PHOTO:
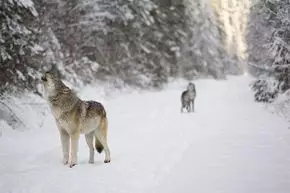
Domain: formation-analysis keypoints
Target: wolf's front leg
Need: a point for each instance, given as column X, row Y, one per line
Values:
column 188, row 107
column 74, row 141
column 65, row 145
column 192, row 106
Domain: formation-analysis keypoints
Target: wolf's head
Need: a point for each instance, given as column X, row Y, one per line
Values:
column 190, row 87
column 52, row 83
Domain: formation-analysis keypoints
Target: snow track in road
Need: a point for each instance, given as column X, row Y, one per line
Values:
column 230, row 145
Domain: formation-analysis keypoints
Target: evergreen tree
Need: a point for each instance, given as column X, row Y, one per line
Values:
column 268, row 40
column 204, row 54
column 18, row 46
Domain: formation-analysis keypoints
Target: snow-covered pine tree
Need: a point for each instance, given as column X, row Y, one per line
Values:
column 18, row 47
column 204, row 55
column 136, row 41
column 268, row 39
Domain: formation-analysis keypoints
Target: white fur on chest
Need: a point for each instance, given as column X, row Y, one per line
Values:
column 191, row 95
column 57, row 112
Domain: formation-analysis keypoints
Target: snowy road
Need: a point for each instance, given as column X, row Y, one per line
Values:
column 230, row 145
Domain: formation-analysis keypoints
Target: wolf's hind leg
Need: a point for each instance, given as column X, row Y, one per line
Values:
column 64, row 137
column 90, row 142
column 183, row 105
column 101, row 137
column 103, row 141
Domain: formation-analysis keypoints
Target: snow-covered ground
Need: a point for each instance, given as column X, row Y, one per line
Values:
column 229, row 145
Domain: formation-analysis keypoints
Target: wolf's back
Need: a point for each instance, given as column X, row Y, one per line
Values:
column 96, row 107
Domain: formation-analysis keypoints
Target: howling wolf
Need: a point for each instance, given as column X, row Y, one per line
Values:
column 74, row 117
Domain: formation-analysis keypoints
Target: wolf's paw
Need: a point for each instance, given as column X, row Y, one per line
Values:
column 91, row 162
column 65, row 162
column 72, row 165
column 107, row 161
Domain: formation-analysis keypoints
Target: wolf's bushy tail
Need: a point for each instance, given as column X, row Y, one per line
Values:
column 103, row 132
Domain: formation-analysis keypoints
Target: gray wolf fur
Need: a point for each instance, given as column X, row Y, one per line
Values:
column 75, row 117
column 188, row 98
